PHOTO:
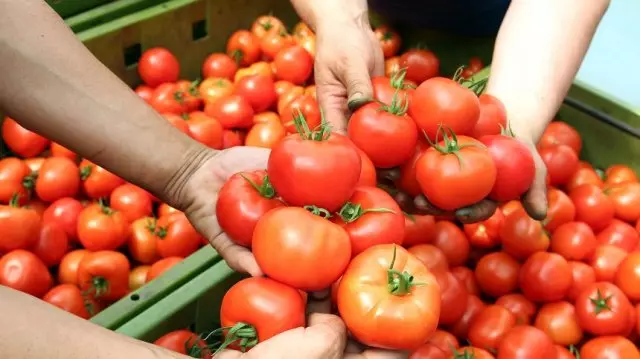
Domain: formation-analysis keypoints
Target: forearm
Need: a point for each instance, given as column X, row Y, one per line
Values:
column 315, row 12
column 53, row 85
column 35, row 329
column 538, row 51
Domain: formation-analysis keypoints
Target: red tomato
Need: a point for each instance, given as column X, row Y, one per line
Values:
column 520, row 306
column 467, row 277
column 266, row 132
column 418, row 229
column 298, row 166
column 184, row 342
column 560, row 209
column 628, row 276
column 526, row 342
column 189, row 95
column 385, row 89
column 474, row 306
column 177, row 237
column 104, row 275
column 371, row 217
column 407, row 182
column 169, row 98
column 564, row 353
column 138, row 276
column 545, row 277
column 431, row 256
column 288, row 96
column 275, row 41
column 259, row 91
column 605, row 261
column 368, row 176
column 263, row 304
column 60, row 151
column 428, row 351
column 497, row 274
column 609, row 347
column 51, row 244
column 421, row 65
column 391, row 66
column 573, row 241
column 510, row 207
column 384, row 132
column 13, row 173
column 96, row 181
column 215, row 88
column 64, row 213
column 485, row 234
column 101, row 228
column 456, row 173
column 561, row 162
column 132, row 201
column 265, row 25
column 617, row 174
column 19, row 226
column 68, row 297
column 515, row 169
column 592, row 206
column 244, row 48
column 160, row 267
column 232, row 111
column 205, row 129
column 583, row 175
column 626, row 200
column 619, row 234
column 177, row 122
column 490, row 327
column 450, row 239
column 522, row 235
column 378, row 285
column 242, row 201
column 492, row 119
column 583, row 276
column 143, row 240
column 320, row 259
column 158, row 65
column 21, row 141
column 219, row 65
column 145, row 92
column 58, row 177
column 444, row 340
column 305, row 105
column 560, row 133
column 293, row 64
column 559, row 321
column 68, row 268
column 389, row 41
column 24, row 271
column 602, row 309
column 454, row 293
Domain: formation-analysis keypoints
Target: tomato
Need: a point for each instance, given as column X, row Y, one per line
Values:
column 266, row 132
column 58, row 178
column 380, row 303
column 21, row 141
column 522, row 235
column 265, row 25
column 261, row 68
column 189, row 95
column 168, row 98
column 419, row 229
column 619, row 234
column 485, row 234
column 389, row 41
column 583, row 276
column 573, row 241
column 14, row 179
column 219, row 65
column 444, row 340
column 628, row 276
column 421, row 65
column 490, row 326
column 561, row 162
column 461, row 327
column 205, row 129
column 132, row 201
column 564, row 353
column 69, row 298
column 51, row 244
column 24, row 271
column 293, row 64
column 64, row 213
column 138, row 277
column 497, row 274
column 158, row 65
column 592, row 206
column 431, row 256
column 143, row 240
column 583, row 175
column 160, row 267
column 68, row 268
column 177, row 122
column 545, row 277
column 384, row 132
column 560, row 209
column 145, row 92
column 602, row 309
column 617, row 174
column 450, row 239
column 242, row 201
column 101, row 228
column 468, row 279
column 184, row 342
column 559, row 321
column 302, row 29
column 385, row 89
column 368, row 176
column 407, row 182
column 526, row 341
column 96, row 181
column 605, row 261
column 215, row 88
column 609, row 347
column 104, row 275
column 560, row 133
column 232, row 111
column 471, row 352
column 19, row 226
column 457, row 172
column 515, row 169
column 258, row 90
column 510, row 207
column 287, row 96
column 520, row 306
column 176, row 236
column 626, row 200
column 455, row 294
column 275, row 41
column 492, row 119
column 428, row 351
column 305, row 105
column 244, row 47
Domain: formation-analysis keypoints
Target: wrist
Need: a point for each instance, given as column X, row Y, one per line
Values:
column 328, row 13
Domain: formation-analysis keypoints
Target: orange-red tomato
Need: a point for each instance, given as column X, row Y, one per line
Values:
column 583, row 175
column 24, row 271
column 218, row 65
column 68, row 268
column 13, row 172
column 215, row 88
column 143, row 240
column 138, row 276
column 51, row 244
column 96, row 181
column 266, row 132
column 560, row 133
column 560, row 209
column 160, row 267
column 609, row 347
column 559, row 321
column 265, row 24
column 583, row 276
column 418, row 229
column 104, row 275
column 431, row 256
column 455, row 294
column 573, row 241
column 451, row 240
column 603, row 309
column 101, row 228
column 497, row 274
column 275, row 41
column 293, row 64
column 619, row 234
column 485, row 234
column 520, row 306
column 522, row 235
column 444, row 340
column 21, row 141
column 474, row 306
column 58, row 177
column 19, row 226
column 525, row 341
column 626, row 200
column 545, row 277
column 205, row 129
column 176, row 236
column 68, row 297
column 628, row 276
column 605, row 261
column 64, row 213
column 244, row 47
column 132, row 201
column 616, row 174
column 593, row 206
column 490, row 326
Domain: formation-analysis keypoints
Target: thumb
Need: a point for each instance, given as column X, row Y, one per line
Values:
column 535, row 200
column 327, row 328
column 237, row 257
column 358, row 83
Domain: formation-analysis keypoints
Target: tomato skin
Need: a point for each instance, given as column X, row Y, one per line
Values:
column 573, row 241
column 368, row 176
column 418, row 229
column 515, row 169
column 51, row 244
column 592, row 206
column 214, row 88
column 444, row 340
column 219, row 65
column 450, row 239
column 101, row 228
column 626, row 200
column 12, row 174
column 293, row 64
column 563, row 353
column 526, row 342
column 168, row 98
column 138, row 277
column 628, row 276
column 431, row 256
column 68, row 268
column 428, row 351
column 474, row 306
column 321, row 259
column 143, row 240
column 560, row 133
column 609, row 347
column 259, row 91
column 583, row 175
column 22, row 141
column 109, row 267
column 490, row 326
column 182, row 341
column 158, row 65
column 232, row 111
column 364, row 286
column 145, row 92
column 485, row 234
column 561, row 161
column 523, row 308
column 177, row 237
column 68, row 297
column 266, row 132
column 266, row 24
column 492, row 119
column 605, row 261
column 617, row 174
column 442, row 102
column 24, row 271
column 450, row 186
column 297, row 169
column 275, row 41
column 304, row 104
column 267, row 305
column 96, row 181
column 619, row 234
column 388, row 138
column 132, row 201
column 602, row 309
column 454, row 293
column 58, row 177
column 386, row 88
column 558, row 320
column 545, row 277
column 497, row 274
column 19, row 227
column 389, row 40
column 421, row 65
column 560, row 209
column 58, row 150
column 240, row 205
column 522, row 235
column 64, row 213
column 205, row 129
column 160, row 267
column 408, row 182
column 583, row 276
column 243, row 47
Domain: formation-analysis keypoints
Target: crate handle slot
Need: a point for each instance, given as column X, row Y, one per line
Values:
column 601, row 116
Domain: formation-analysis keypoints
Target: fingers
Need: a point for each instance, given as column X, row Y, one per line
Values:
column 477, row 212
column 389, row 174
column 356, row 79
column 327, row 329
column 425, row 207
column 535, row 200
column 319, row 302
column 237, row 257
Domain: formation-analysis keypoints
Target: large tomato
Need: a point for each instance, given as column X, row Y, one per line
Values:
column 176, row 236
column 485, row 234
column 244, row 47
column 259, row 91
column 626, row 200
column 619, row 234
column 525, row 341
column 96, row 181
column 561, row 162
column 293, row 64
column 370, row 217
column 592, row 206
column 560, row 133
column 456, row 172
column 520, row 306
column 24, row 271
column 68, row 297
column 450, row 239
column 385, row 89
column 219, row 65
column 474, row 306
column 602, row 309
column 51, row 244
column 497, row 274
column 490, row 327
column 493, row 117
column 21, row 141
column 421, row 65
column 384, row 132
column 242, row 201
column 68, row 268
column 515, row 169
column 418, row 229
column 158, row 65
column 380, row 303
column 262, row 308
column 185, row 342
column 559, row 321
column 583, row 276
column 13, row 172
column 104, row 275
column 545, row 277
column 64, row 213
column 319, row 249
column 299, row 163
column 132, row 201
column 304, row 105
column 441, row 102
column 628, row 276
column 522, row 235
column 573, row 241
column 143, row 240
column 101, row 228
column 19, row 226
column 609, row 347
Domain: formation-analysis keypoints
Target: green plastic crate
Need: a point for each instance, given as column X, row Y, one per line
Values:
column 190, row 294
column 67, row 8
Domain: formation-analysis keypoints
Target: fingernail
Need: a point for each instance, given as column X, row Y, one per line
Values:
column 357, row 102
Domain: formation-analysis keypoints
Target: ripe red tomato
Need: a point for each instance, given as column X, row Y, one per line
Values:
column 609, row 347
column 628, row 276
column 454, row 293
column 298, row 166
column 214, row 88
column 573, row 241
column 160, row 267
column 378, row 287
column 561, row 162
column 104, row 275
column 305, row 105
column 492, row 119
column 602, row 309
column 525, row 341
column 275, row 41
column 267, row 306
column 617, row 174
column 450, row 239
column 266, row 24
column 626, row 200
column 51, row 244
column 421, row 65
column 64, row 213
column 189, row 95
column 428, row 351
column 177, row 237
column 444, row 340
column 232, row 111
column 384, row 132
column 177, row 122
column 497, row 274
column 386, row 88
column 371, row 217
column 468, row 279
column 205, row 129
column 232, row 138
column 522, row 235
column 474, row 306
column 431, row 256
column 560, row 133
column 259, row 91
column 244, row 48
column 545, row 277
column 143, row 240
column 418, row 229
column 58, row 177
column 293, row 64
column 319, row 260
column 442, row 102
column 368, row 176
column 564, row 353
column 515, row 169
column 605, row 261
column 490, row 327
column 219, row 65
column 145, row 92
column 185, row 342
column 21, row 141
column 407, row 182
column 389, row 40
column 592, row 206
column 619, row 234
column 559, row 321
column 456, row 173
column 68, row 297
column 138, row 277
column 13, row 173
column 68, row 268
column 583, row 175
column 583, row 276
column 24, row 271
column 101, row 228
column 520, row 306
column 19, row 226
column 58, row 150
column 132, row 201
column 266, row 131
column 485, row 234
column 96, row 181
column 168, row 98
column 158, row 65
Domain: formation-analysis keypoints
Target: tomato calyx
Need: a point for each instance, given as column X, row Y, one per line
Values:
column 29, row 181
column 178, row 96
column 193, row 349
column 15, row 200
column 507, row 132
column 265, row 190
column 410, row 216
column 104, row 207
column 318, row 211
column 600, row 303
column 574, row 351
column 465, row 354
column 397, row 106
column 99, row 287
column 476, row 86
column 397, row 80
column 242, row 334
column 193, row 87
column 85, row 172
column 399, row 283
column 237, row 56
column 451, row 145
column 351, row 212
column 320, row 133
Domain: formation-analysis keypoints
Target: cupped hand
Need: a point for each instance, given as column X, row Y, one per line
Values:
column 347, row 55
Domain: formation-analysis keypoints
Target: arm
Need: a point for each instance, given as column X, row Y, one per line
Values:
column 315, row 12
column 53, row 85
column 33, row 327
